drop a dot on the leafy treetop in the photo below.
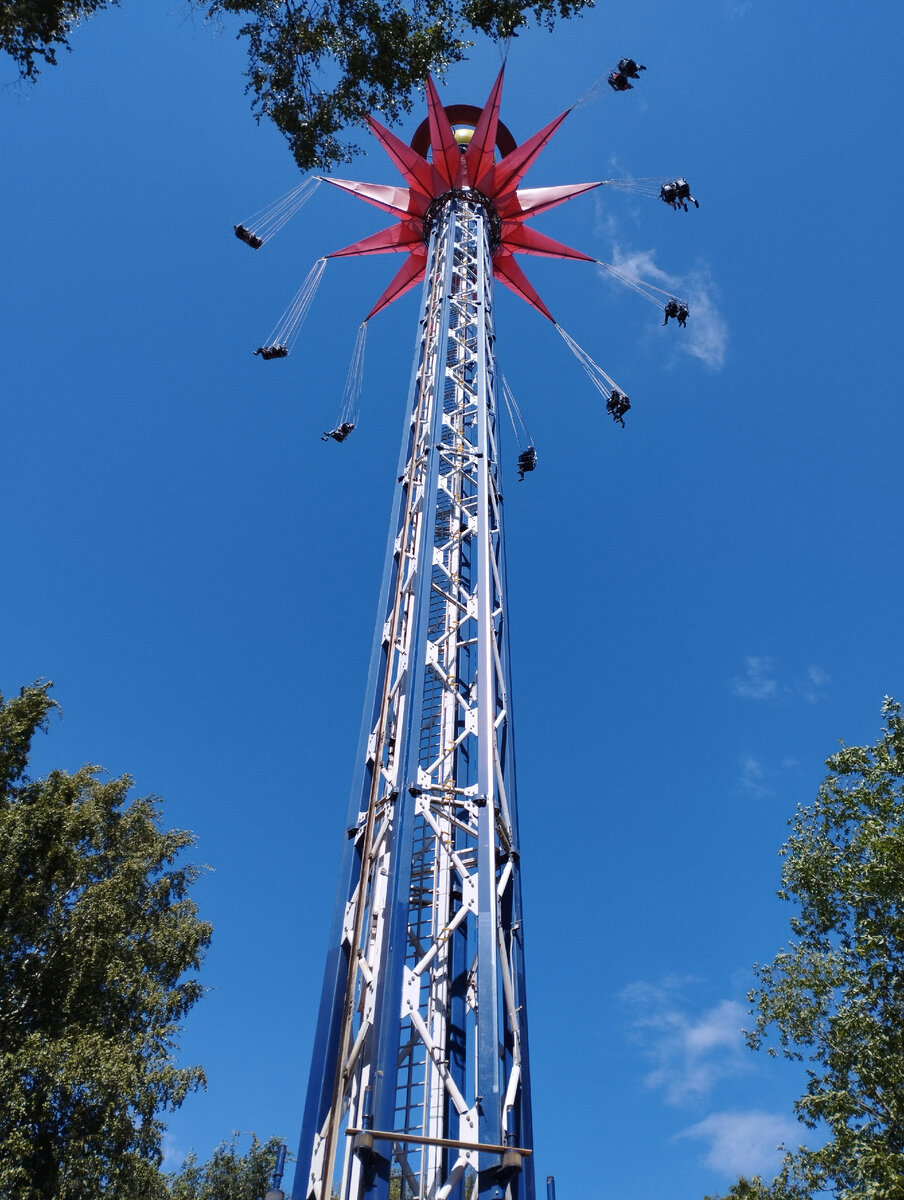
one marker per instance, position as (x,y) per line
(97,939)
(834,998)
(318,66)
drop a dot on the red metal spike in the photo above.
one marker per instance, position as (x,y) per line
(507,271)
(527,202)
(403,201)
(416,170)
(509,173)
(410,273)
(523,240)
(447,155)
(403,236)
(480,155)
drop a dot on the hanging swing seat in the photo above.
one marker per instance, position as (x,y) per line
(527,461)
(340,433)
(249,238)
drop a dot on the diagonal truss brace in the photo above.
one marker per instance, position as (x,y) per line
(422,1025)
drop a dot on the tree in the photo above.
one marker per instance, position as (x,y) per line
(97,934)
(31,31)
(229,1175)
(317,66)
(757,1189)
(374,53)
(835,996)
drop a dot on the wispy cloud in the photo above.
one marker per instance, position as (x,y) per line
(738,9)
(706,328)
(706,335)
(753,776)
(744,1143)
(690,1054)
(758,681)
(173,1155)
(812,687)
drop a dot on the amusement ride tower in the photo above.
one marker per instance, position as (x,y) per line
(420,1085)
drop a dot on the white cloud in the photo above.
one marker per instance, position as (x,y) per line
(706,328)
(706,335)
(812,687)
(758,681)
(173,1155)
(744,1143)
(640,264)
(690,1054)
(753,776)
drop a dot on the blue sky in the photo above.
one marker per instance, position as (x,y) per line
(702,604)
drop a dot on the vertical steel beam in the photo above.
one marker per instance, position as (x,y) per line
(419,1087)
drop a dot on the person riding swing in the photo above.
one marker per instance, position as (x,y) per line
(340,433)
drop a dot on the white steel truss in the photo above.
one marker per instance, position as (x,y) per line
(419,1086)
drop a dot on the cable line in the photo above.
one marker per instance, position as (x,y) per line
(617,402)
(354,380)
(351,402)
(592,92)
(598,377)
(640,187)
(649,291)
(351,399)
(262,225)
(527,452)
(284,336)
(522,436)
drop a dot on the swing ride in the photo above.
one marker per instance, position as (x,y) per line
(419,1087)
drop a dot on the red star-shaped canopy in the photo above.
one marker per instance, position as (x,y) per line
(453,170)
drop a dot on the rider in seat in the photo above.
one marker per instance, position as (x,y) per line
(629,68)
(618,405)
(340,434)
(249,238)
(671,310)
(527,461)
(677,194)
(275,351)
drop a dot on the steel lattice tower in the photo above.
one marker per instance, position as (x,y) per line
(420,1071)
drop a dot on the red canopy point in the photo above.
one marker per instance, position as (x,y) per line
(507,271)
(522,240)
(413,166)
(447,156)
(479,156)
(527,202)
(403,201)
(405,236)
(411,272)
(451,170)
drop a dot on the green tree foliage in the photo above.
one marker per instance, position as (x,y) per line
(31,31)
(97,934)
(229,1175)
(757,1189)
(835,997)
(319,66)
(316,66)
